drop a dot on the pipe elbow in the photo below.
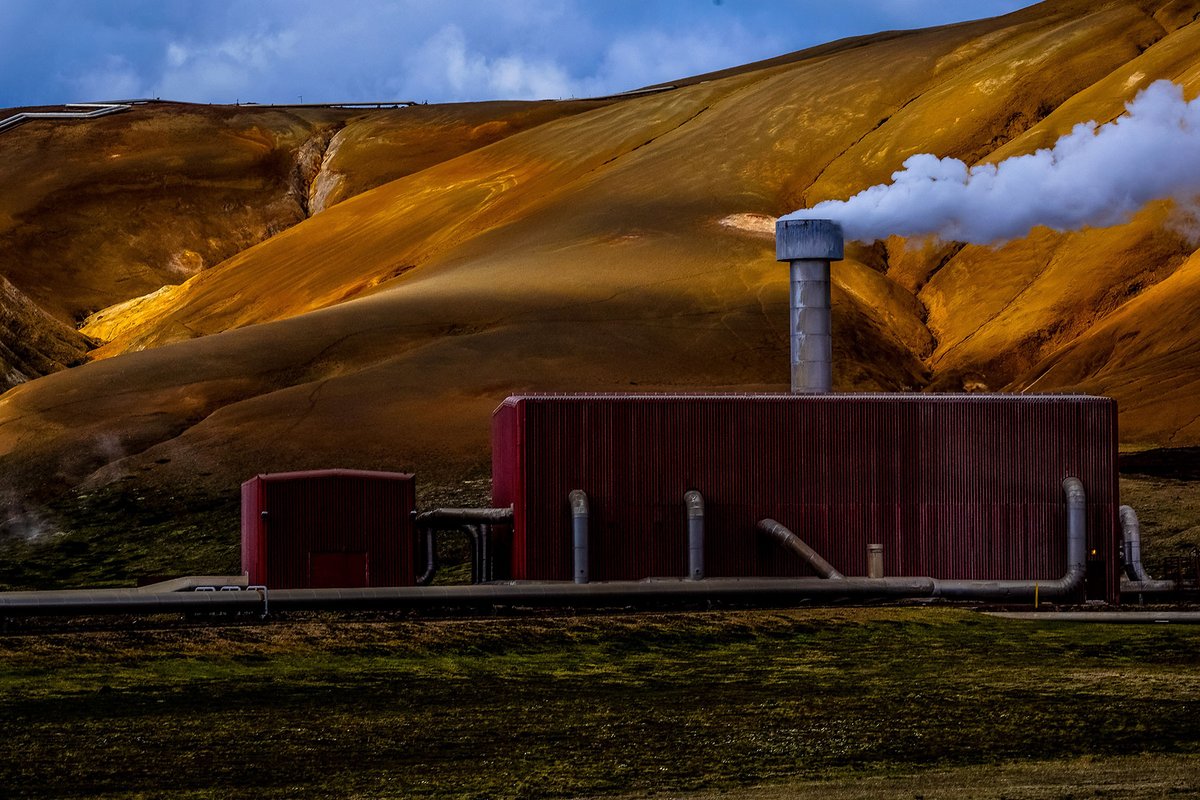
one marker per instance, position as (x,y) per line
(1131,533)
(1129,520)
(1073,489)
(774,529)
(694,501)
(1073,579)
(579,503)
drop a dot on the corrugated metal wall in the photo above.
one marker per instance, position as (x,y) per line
(953,486)
(343,527)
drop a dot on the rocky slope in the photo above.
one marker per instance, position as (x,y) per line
(462,253)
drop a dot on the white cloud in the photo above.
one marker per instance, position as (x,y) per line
(651,56)
(114,79)
(513,76)
(446,67)
(177,55)
(224,70)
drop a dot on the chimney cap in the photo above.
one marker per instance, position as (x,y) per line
(808,239)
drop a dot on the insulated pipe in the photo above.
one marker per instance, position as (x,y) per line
(1063,588)
(1139,581)
(1131,532)
(793,542)
(1055,589)
(579,533)
(809,245)
(97,110)
(483,552)
(694,502)
(482,535)
(426,577)
(78,602)
(1148,587)
(599,595)
(472,521)
(472,533)
(453,517)
(1104,617)
(489,566)
(483,596)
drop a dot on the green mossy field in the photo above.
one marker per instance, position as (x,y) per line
(624,705)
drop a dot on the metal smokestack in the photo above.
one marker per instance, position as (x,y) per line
(809,245)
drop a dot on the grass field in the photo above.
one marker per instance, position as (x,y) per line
(756,703)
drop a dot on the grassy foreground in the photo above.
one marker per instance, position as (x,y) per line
(593,706)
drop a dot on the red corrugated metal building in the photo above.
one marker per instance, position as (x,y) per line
(328,528)
(953,486)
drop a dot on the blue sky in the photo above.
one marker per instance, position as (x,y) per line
(222,51)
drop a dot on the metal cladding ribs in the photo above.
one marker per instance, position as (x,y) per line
(959,487)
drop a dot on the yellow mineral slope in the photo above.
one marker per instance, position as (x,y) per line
(614,246)
(101,212)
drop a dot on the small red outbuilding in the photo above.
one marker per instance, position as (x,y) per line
(328,528)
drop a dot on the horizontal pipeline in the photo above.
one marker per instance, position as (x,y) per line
(458,516)
(1148,587)
(1105,617)
(81,602)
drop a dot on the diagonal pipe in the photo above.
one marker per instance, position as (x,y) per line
(797,545)
(1064,588)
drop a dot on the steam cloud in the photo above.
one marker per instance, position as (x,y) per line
(21,521)
(1097,175)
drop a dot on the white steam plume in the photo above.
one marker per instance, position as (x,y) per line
(1097,175)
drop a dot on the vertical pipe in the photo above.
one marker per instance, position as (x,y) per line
(489,570)
(579,533)
(811,327)
(472,533)
(485,554)
(1076,526)
(874,561)
(809,245)
(425,578)
(1132,532)
(694,502)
